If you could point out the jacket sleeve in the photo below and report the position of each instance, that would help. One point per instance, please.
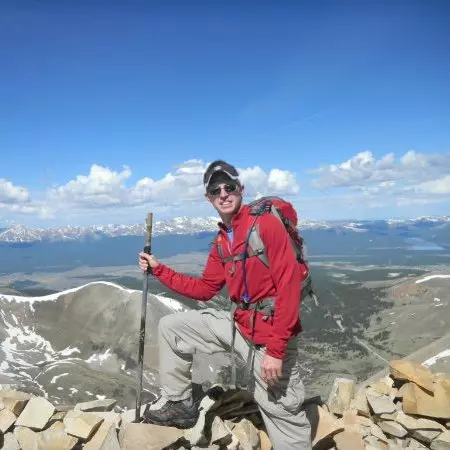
(286, 275)
(204, 288)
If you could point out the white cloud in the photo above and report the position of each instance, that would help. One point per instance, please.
(9, 193)
(277, 182)
(364, 169)
(440, 186)
(102, 187)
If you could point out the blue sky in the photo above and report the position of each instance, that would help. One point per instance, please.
(110, 110)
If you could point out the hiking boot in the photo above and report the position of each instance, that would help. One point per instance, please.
(181, 414)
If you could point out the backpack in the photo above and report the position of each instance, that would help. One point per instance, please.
(254, 246)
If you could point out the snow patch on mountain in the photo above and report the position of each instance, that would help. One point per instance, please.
(171, 303)
(186, 225)
(431, 277)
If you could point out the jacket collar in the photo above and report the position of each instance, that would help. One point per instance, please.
(241, 213)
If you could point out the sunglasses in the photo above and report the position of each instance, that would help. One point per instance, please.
(228, 188)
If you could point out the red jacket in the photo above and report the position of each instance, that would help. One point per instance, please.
(281, 280)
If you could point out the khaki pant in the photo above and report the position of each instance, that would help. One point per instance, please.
(209, 331)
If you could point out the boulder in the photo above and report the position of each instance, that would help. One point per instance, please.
(442, 442)
(96, 405)
(220, 433)
(393, 428)
(327, 426)
(10, 442)
(56, 438)
(129, 415)
(265, 441)
(196, 434)
(417, 401)
(109, 416)
(411, 443)
(104, 439)
(27, 438)
(381, 405)
(411, 423)
(247, 435)
(360, 404)
(404, 370)
(36, 414)
(15, 401)
(384, 386)
(349, 440)
(376, 431)
(140, 436)
(7, 420)
(341, 395)
(425, 436)
(81, 424)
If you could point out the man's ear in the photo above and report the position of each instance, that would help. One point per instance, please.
(207, 196)
(242, 189)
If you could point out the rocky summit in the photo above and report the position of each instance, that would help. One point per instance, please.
(228, 419)
(409, 408)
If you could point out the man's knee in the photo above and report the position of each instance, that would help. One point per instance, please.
(168, 323)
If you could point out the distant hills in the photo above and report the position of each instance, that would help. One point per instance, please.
(190, 225)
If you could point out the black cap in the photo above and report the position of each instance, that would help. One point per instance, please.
(220, 167)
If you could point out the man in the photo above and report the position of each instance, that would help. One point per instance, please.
(277, 387)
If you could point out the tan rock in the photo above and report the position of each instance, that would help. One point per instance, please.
(394, 446)
(376, 431)
(372, 447)
(373, 392)
(129, 416)
(81, 424)
(411, 423)
(140, 436)
(10, 442)
(390, 416)
(381, 405)
(393, 428)
(341, 395)
(351, 423)
(7, 420)
(417, 401)
(15, 401)
(247, 435)
(411, 443)
(27, 438)
(442, 442)
(55, 438)
(414, 372)
(349, 439)
(373, 443)
(109, 416)
(327, 426)
(365, 421)
(266, 444)
(36, 414)
(425, 436)
(219, 431)
(64, 408)
(360, 404)
(96, 405)
(104, 439)
(384, 386)
(57, 416)
(196, 434)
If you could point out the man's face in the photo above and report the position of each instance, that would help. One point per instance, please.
(225, 197)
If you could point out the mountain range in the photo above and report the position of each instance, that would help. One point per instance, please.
(189, 225)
